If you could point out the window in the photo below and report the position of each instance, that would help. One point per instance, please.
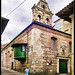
(70, 47)
(22, 48)
(43, 6)
(39, 17)
(53, 43)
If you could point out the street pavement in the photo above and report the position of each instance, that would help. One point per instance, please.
(6, 71)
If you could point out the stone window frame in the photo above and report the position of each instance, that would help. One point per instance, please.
(54, 39)
(68, 64)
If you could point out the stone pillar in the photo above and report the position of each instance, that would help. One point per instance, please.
(72, 18)
(57, 65)
(69, 66)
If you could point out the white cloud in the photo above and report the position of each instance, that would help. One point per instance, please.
(57, 5)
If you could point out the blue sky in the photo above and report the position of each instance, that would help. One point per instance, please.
(22, 16)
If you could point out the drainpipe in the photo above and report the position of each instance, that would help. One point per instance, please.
(7, 57)
(14, 59)
(27, 49)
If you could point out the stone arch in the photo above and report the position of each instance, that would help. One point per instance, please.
(47, 20)
(39, 17)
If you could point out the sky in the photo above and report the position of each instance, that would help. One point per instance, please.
(22, 16)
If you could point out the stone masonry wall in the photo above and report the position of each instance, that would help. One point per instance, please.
(39, 43)
(41, 49)
(7, 61)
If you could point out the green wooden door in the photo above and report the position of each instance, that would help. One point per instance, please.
(63, 66)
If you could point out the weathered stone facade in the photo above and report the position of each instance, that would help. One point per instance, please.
(42, 59)
(42, 48)
(39, 43)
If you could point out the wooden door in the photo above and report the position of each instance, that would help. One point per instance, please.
(63, 66)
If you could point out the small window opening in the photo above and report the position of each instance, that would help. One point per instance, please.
(43, 6)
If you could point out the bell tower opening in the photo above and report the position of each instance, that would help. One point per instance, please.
(47, 20)
(39, 18)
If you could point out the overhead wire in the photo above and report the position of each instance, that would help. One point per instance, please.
(16, 20)
(16, 8)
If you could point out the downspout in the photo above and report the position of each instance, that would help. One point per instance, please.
(27, 49)
(14, 63)
(7, 57)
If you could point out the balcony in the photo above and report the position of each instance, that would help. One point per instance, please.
(19, 51)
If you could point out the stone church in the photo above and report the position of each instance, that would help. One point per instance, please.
(40, 47)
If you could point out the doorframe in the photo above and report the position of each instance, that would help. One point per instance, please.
(68, 64)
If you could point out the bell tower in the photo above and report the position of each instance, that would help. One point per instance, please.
(42, 13)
